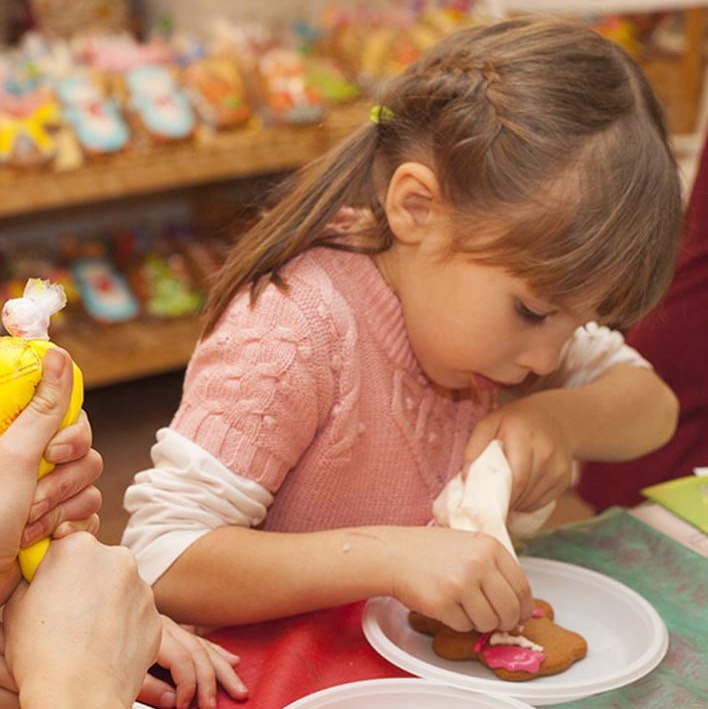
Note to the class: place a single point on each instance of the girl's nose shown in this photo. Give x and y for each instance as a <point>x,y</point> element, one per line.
<point>540,358</point>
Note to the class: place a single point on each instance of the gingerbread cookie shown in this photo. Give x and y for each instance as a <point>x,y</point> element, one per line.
<point>542,648</point>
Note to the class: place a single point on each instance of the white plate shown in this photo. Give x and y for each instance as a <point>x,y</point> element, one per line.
<point>406,693</point>
<point>626,637</point>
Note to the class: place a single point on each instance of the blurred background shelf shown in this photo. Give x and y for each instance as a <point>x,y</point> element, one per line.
<point>152,169</point>
<point>131,350</point>
<point>120,352</point>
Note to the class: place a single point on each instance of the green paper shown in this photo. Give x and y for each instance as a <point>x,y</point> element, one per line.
<point>686,497</point>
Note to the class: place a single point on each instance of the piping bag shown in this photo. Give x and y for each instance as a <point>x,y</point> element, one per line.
<point>21,354</point>
<point>480,501</point>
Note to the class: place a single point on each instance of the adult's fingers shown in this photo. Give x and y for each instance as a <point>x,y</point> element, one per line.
<point>66,482</point>
<point>71,442</point>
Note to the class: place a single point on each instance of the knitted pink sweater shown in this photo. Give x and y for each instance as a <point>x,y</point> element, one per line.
<point>316,395</point>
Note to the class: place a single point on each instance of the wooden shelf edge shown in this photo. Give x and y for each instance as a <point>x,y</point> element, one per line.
<point>115,353</point>
<point>158,168</point>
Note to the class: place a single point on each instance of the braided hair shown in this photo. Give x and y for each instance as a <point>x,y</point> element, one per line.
<point>550,149</point>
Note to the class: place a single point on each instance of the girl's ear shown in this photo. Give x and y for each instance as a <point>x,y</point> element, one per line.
<point>412,202</point>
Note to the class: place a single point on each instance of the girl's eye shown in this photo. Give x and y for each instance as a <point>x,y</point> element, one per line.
<point>531,315</point>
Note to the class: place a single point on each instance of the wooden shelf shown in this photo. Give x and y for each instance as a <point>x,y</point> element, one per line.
<point>120,352</point>
<point>144,169</point>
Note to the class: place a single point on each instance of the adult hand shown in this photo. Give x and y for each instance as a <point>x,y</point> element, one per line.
<point>66,501</point>
<point>8,688</point>
<point>85,628</point>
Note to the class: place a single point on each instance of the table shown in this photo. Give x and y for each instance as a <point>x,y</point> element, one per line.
<point>286,659</point>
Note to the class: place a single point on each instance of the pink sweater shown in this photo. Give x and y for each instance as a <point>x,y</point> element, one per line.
<point>316,395</point>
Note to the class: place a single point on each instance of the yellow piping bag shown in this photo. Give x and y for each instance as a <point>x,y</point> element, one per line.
<point>21,354</point>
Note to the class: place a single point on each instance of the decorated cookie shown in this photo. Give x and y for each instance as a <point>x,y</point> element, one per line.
<point>29,117</point>
<point>216,89</point>
<point>160,104</point>
<point>286,95</point>
<point>542,648</point>
<point>96,120</point>
<point>104,291</point>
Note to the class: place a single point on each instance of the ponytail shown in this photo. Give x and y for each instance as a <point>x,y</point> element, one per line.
<point>341,177</point>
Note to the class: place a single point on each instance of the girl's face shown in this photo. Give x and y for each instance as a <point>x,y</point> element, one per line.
<point>472,324</point>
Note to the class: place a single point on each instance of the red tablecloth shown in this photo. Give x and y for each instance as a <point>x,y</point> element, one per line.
<point>285,659</point>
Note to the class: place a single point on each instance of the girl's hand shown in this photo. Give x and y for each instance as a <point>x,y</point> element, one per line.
<point>536,444</point>
<point>66,500</point>
<point>467,580</point>
<point>196,666</point>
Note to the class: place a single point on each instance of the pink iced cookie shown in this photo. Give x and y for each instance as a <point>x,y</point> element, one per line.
<point>542,648</point>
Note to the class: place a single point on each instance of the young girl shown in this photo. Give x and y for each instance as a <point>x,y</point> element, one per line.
<point>514,186</point>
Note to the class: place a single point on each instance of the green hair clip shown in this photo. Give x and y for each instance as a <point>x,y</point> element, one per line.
<point>380,114</point>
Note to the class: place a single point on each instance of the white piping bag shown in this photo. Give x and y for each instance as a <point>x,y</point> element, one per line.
<point>480,502</point>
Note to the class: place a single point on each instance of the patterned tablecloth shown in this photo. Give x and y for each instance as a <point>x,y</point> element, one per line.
<point>671,577</point>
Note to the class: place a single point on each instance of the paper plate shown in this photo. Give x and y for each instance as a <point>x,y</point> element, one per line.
<point>406,693</point>
<point>625,635</point>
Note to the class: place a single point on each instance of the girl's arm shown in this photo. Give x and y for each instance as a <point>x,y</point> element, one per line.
<point>237,575</point>
<point>625,413</point>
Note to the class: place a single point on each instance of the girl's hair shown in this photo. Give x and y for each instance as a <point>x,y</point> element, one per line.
<point>550,149</point>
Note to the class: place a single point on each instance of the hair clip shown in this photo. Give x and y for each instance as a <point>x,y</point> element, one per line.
<point>380,114</point>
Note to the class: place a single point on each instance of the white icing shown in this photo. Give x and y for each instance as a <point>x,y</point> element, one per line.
<point>501,638</point>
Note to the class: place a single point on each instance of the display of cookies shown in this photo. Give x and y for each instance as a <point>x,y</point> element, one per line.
<point>542,648</point>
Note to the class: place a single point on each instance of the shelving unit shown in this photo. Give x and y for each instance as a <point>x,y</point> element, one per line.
<point>118,352</point>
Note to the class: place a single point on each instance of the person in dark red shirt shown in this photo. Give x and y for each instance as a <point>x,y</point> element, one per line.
<point>674,338</point>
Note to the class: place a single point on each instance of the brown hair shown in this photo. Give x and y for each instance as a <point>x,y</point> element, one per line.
<point>550,147</point>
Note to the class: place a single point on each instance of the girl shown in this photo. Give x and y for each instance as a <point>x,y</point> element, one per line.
<point>514,185</point>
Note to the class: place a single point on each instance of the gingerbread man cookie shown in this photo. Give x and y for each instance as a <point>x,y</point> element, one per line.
<point>542,648</point>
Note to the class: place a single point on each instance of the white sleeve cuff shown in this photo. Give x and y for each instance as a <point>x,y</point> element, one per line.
<point>592,351</point>
<point>186,495</point>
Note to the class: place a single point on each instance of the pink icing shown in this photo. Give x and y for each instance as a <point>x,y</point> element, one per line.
<point>537,613</point>
<point>481,642</point>
<point>513,659</point>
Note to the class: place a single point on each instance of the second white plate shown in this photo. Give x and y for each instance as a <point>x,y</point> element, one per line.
<point>402,693</point>
<point>626,637</point>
